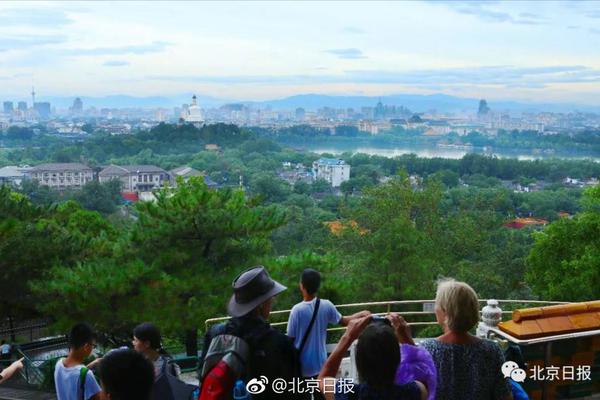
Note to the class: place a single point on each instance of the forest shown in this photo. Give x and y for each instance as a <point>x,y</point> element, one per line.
<point>403,223</point>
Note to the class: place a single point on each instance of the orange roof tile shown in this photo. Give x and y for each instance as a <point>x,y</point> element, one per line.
<point>553,320</point>
<point>336,227</point>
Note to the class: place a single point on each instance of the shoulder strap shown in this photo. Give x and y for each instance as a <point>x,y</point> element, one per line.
<point>82,376</point>
<point>312,322</point>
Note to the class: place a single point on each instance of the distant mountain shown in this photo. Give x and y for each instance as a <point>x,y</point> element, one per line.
<point>312,102</point>
<point>417,103</point>
<point>125,101</point>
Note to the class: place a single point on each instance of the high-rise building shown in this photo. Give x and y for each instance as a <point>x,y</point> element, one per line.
<point>8,107</point>
<point>43,109</point>
<point>22,106</point>
<point>379,111</point>
<point>300,114</point>
<point>77,107</point>
<point>483,108</point>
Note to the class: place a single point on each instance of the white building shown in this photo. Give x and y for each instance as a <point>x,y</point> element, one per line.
<point>62,175</point>
<point>135,178</point>
<point>333,170</point>
<point>13,175</point>
<point>193,114</point>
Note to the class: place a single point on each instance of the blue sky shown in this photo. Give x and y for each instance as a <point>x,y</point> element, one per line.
<point>526,51</point>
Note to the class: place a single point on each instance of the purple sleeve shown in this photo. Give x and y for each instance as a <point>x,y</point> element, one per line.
<point>417,365</point>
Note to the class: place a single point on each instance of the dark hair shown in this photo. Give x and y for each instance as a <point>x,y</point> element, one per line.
<point>147,332</point>
<point>127,375</point>
<point>80,335</point>
<point>377,355</point>
<point>311,280</point>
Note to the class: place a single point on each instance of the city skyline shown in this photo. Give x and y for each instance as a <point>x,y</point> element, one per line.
<point>537,52</point>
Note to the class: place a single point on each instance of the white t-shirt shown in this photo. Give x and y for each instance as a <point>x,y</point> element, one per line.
<point>5,349</point>
<point>67,382</point>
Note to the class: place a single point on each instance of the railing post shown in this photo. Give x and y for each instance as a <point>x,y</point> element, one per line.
<point>491,316</point>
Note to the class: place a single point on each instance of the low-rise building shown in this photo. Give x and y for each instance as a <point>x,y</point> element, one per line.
<point>186,173</point>
<point>13,175</point>
<point>62,176</point>
<point>136,178</point>
<point>333,170</point>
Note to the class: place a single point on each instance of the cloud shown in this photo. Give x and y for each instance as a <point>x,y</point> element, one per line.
<point>482,11</point>
<point>593,14</point>
<point>595,31</point>
<point>349,54</point>
<point>154,47</point>
<point>26,41</point>
<point>573,27</point>
<point>35,17</point>
<point>115,63</point>
<point>353,29</point>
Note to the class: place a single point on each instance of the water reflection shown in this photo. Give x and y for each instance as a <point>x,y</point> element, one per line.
<point>442,152</point>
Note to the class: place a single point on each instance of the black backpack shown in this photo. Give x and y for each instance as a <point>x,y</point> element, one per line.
<point>168,387</point>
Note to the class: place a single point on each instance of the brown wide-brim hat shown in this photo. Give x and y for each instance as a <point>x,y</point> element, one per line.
<point>251,288</point>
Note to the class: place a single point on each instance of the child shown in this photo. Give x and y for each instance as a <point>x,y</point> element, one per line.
<point>73,381</point>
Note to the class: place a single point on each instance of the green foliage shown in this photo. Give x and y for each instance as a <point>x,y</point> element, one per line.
<point>564,263</point>
<point>388,253</point>
<point>18,133</point>
<point>34,238</point>
<point>270,188</point>
<point>198,239</point>
<point>101,197</point>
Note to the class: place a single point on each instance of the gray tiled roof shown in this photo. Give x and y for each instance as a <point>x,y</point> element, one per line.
<point>186,171</point>
<point>61,167</point>
<point>131,169</point>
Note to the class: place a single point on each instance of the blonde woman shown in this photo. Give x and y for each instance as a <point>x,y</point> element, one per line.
<point>469,368</point>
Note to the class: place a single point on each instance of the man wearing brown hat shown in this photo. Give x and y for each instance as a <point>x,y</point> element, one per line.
<point>271,353</point>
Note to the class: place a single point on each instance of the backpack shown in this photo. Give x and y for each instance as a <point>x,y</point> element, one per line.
<point>225,363</point>
<point>168,387</point>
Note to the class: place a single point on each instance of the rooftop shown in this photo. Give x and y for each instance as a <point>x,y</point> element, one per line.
<point>331,161</point>
<point>553,320</point>
<point>128,169</point>
<point>61,167</point>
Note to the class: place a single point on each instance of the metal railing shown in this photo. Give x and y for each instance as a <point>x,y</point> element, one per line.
<point>33,330</point>
<point>393,306</point>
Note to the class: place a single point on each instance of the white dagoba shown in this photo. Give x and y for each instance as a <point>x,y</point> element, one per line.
<point>194,113</point>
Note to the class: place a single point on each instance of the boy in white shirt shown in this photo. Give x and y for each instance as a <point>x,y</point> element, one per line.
<point>72,379</point>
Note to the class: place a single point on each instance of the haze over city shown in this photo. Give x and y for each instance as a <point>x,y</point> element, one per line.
<point>243,51</point>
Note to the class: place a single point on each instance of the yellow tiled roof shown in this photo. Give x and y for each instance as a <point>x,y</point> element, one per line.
<point>553,320</point>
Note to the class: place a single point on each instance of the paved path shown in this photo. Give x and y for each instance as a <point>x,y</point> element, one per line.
<point>20,394</point>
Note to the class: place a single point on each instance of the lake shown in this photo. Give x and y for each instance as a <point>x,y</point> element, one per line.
<point>451,152</point>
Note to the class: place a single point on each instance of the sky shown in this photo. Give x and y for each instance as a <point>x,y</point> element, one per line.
<point>523,51</point>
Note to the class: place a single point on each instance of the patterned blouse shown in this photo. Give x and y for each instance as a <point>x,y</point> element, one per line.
<point>468,371</point>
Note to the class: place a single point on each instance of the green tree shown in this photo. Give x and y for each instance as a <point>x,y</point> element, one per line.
<point>35,238</point>
<point>101,197</point>
<point>271,188</point>
<point>389,240</point>
<point>564,263</point>
<point>198,239</point>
